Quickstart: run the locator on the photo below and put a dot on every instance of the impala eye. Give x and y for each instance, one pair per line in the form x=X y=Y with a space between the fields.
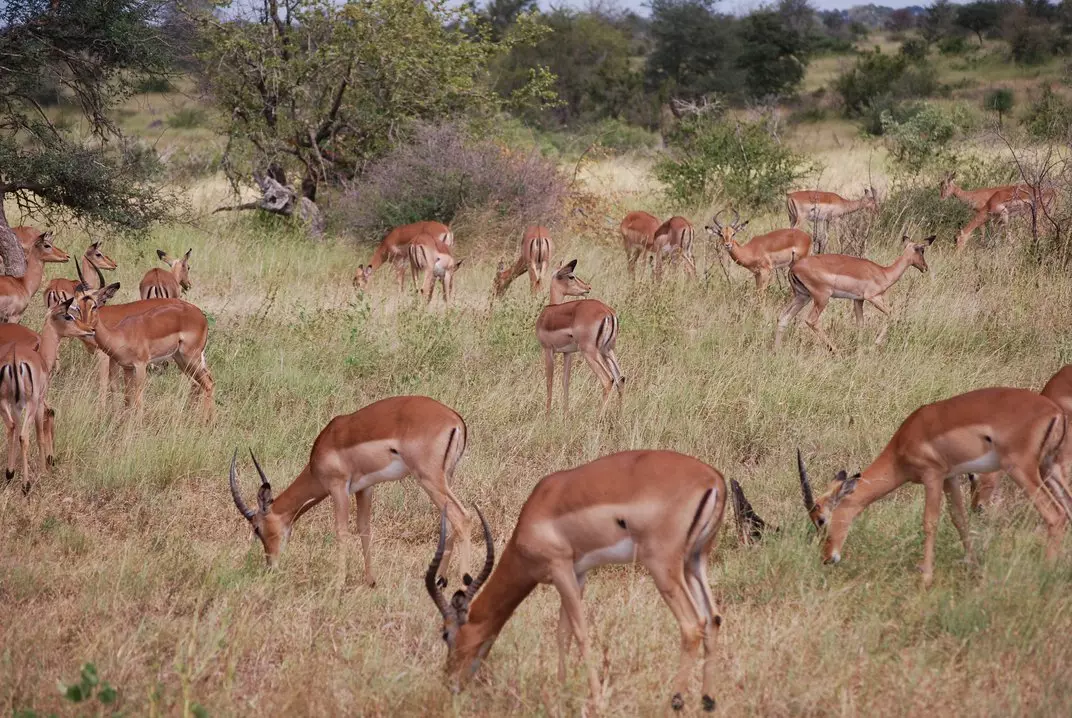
x=445 y=635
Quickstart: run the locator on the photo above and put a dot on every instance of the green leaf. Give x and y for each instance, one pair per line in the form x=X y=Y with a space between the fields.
x=199 y=710
x=74 y=694
x=90 y=676
x=107 y=694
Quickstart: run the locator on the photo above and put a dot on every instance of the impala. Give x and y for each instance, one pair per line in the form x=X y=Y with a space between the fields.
x=984 y=430
x=160 y=284
x=660 y=509
x=638 y=237
x=15 y=292
x=536 y=251
x=385 y=441
x=59 y=290
x=975 y=198
x=395 y=249
x=587 y=326
x=825 y=207
x=433 y=259
x=764 y=253
x=1002 y=204
x=145 y=332
x=673 y=241
x=820 y=278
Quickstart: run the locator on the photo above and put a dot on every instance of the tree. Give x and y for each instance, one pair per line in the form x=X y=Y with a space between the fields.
x=501 y=14
x=901 y=20
x=86 y=56
x=695 y=50
x=773 y=53
x=939 y=21
x=979 y=17
x=1000 y=101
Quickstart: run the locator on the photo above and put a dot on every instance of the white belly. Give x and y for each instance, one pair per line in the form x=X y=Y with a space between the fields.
x=392 y=472
x=987 y=462
x=622 y=552
x=844 y=294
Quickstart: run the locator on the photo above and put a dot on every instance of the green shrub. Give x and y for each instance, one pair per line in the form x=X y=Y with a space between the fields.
x=920 y=141
x=878 y=82
x=737 y=162
x=999 y=100
x=186 y=119
x=915 y=49
x=953 y=45
x=1049 y=117
x=153 y=84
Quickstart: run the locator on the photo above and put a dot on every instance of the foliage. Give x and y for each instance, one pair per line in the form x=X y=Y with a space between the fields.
x=999 y=100
x=694 y=51
x=740 y=163
x=1049 y=116
x=186 y=118
x=915 y=49
x=82 y=692
x=773 y=54
x=921 y=140
x=89 y=55
x=1032 y=40
x=979 y=17
x=939 y=21
x=878 y=82
x=442 y=172
x=324 y=88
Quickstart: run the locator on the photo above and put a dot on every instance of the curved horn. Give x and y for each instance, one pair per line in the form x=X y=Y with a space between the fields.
x=433 y=569
x=100 y=276
x=805 y=485
x=489 y=562
x=82 y=285
x=235 y=494
x=736 y=218
x=718 y=225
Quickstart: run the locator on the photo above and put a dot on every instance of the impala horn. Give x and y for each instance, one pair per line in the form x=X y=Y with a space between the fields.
x=235 y=494
x=433 y=568
x=718 y=225
x=264 y=493
x=100 y=276
x=805 y=485
x=489 y=562
x=736 y=218
x=81 y=286
x=750 y=526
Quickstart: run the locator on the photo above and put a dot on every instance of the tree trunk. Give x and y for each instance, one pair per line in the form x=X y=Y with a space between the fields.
x=10 y=249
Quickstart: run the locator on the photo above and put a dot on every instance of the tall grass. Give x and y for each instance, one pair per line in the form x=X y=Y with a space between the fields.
x=130 y=553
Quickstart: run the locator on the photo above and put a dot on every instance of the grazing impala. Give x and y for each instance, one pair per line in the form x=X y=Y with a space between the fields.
x=395 y=249
x=638 y=237
x=433 y=259
x=385 y=441
x=974 y=198
x=16 y=292
x=825 y=207
x=1002 y=204
x=145 y=332
x=167 y=284
x=983 y=430
x=587 y=326
x=536 y=251
x=659 y=509
x=820 y=278
x=764 y=253
x=673 y=241
x=59 y=290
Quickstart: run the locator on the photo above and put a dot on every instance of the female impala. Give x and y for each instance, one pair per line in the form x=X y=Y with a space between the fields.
x=385 y=441
x=638 y=237
x=764 y=253
x=1002 y=204
x=587 y=326
x=59 y=290
x=395 y=249
x=536 y=251
x=660 y=509
x=15 y=292
x=160 y=284
x=822 y=277
x=984 y=430
x=974 y=198
x=673 y=241
x=433 y=259
x=825 y=207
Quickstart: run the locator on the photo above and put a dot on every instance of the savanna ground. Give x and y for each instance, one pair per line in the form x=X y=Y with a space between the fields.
x=131 y=555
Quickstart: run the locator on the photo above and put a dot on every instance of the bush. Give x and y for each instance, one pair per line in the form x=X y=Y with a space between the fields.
x=737 y=162
x=921 y=140
x=443 y=171
x=153 y=84
x=1049 y=117
x=880 y=81
x=915 y=49
x=953 y=45
x=186 y=119
x=1000 y=101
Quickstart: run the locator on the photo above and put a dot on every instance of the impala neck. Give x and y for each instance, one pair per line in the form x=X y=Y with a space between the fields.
x=35 y=271
x=876 y=481
x=558 y=295
x=894 y=272
x=303 y=494
x=50 y=345
x=509 y=585
x=734 y=249
x=89 y=273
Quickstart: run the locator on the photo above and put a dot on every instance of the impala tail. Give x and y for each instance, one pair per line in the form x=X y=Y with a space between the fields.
x=791 y=207
x=1052 y=466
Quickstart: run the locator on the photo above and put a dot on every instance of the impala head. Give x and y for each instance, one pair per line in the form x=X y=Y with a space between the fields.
x=501 y=280
x=948 y=185
x=726 y=233
x=820 y=510
x=871 y=199
x=916 y=249
x=269 y=527
x=568 y=283
x=362 y=276
x=179 y=267
x=88 y=300
x=67 y=319
x=463 y=658
x=98 y=258
x=48 y=252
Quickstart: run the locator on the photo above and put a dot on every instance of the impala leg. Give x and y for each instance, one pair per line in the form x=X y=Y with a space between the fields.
x=549 y=371
x=50 y=435
x=1028 y=478
x=610 y=360
x=448 y=287
x=340 y=501
x=879 y=303
x=204 y=386
x=965 y=234
x=104 y=371
x=983 y=489
x=792 y=309
x=932 y=510
x=631 y=257
x=400 y=275
x=670 y=579
x=363 y=521
x=434 y=482
x=762 y=280
x=567 y=365
x=24 y=448
x=602 y=374
x=565 y=581
x=429 y=286
x=12 y=442
x=44 y=458
x=658 y=264
x=819 y=304
x=565 y=633
x=534 y=279
x=858 y=311
x=959 y=514
x=696 y=573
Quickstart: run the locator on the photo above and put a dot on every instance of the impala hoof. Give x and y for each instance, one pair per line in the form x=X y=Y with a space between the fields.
x=26 y=488
x=9 y=475
x=708 y=704
x=50 y=460
x=677 y=702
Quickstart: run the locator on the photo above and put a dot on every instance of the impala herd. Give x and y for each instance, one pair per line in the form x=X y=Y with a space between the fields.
x=658 y=509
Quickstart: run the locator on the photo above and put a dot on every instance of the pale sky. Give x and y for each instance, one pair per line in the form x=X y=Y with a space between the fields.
x=739 y=7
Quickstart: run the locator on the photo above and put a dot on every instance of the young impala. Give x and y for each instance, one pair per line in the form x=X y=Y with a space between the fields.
x=974 y=198
x=638 y=237
x=536 y=251
x=825 y=207
x=764 y=253
x=673 y=241
x=433 y=259
x=1002 y=204
x=587 y=326
x=61 y=289
x=16 y=292
x=395 y=249
x=659 y=509
x=167 y=284
x=984 y=430
x=822 y=277
x=385 y=441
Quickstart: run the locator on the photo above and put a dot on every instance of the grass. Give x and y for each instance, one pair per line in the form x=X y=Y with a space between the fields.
x=131 y=555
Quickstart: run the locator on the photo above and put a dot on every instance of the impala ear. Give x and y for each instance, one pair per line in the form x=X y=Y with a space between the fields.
x=743 y=224
x=186 y=257
x=571 y=265
x=501 y=268
x=930 y=240
x=105 y=294
x=458 y=263
x=848 y=485
x=164 y=257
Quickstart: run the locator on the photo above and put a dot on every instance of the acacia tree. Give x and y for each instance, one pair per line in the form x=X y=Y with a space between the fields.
x=84 y=56
x=321 y=88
